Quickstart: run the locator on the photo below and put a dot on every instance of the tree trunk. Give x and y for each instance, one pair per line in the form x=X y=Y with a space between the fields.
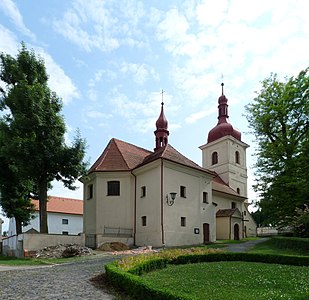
x=18 y=226
x=43 y=206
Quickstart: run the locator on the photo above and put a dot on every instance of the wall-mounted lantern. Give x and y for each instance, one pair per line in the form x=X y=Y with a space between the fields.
x=171 y=199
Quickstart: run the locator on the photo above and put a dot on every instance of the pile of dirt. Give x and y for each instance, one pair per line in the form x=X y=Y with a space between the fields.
x=113 y=246
x=68 y=250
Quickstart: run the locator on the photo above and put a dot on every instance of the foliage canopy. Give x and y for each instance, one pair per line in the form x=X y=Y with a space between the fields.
x=32 y=130
x=279 y=118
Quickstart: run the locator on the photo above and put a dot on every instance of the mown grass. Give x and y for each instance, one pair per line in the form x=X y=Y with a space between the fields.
x=268 y=247
x=233 y=280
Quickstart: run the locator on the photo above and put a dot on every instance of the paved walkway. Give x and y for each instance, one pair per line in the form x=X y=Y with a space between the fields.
x=66 y=281
x=244 y=247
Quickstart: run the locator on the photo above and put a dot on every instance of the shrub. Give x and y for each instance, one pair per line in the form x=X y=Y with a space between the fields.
x=293 y=243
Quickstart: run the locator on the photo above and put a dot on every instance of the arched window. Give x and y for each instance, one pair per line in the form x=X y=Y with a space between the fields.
x=214 y=158
x=237 y=157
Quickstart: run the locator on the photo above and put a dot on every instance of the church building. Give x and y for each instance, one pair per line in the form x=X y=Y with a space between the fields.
x=161 y=198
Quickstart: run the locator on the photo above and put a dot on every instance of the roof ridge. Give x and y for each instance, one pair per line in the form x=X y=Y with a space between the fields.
x=116 y=140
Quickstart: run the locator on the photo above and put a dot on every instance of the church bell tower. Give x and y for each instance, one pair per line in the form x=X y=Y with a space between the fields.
x=224 y=151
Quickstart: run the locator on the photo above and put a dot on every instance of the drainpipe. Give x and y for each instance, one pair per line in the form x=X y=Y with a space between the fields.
x=162 y=202
x=134 y=222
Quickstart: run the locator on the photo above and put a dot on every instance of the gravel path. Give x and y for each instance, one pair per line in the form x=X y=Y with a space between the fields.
x=66 y=281
x=244 y=247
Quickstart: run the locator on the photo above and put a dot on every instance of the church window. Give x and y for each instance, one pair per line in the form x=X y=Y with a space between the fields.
x=237 y=160
x=144 y=220
x=143 y=191
x=233 y=205
x=113 y=188
x=65 y=221
x=238 y=191
x=205 y=197
x=182 y=191
x=245 y=213
x=214 y=158
x=89 y=191
x=183 y=221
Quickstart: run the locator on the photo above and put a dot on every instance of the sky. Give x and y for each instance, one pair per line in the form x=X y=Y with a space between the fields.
x=109 y=61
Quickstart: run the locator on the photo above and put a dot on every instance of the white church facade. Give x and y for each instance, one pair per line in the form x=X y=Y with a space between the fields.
x=161 y=198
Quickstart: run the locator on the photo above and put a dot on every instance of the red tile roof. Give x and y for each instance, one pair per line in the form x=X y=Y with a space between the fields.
x=122 y=156
x=220 y=186
x=171 y=154
x=227 y=212
x=119 y=156
x=62 y=205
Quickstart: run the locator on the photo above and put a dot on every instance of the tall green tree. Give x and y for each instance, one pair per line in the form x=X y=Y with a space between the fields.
x=279 y=118
x=33 y=128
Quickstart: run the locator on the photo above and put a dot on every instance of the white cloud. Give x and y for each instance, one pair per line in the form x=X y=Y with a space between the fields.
x=8 y=41
x=200 y=115
x=58 y=80
x=93 y=24
x=11 y=10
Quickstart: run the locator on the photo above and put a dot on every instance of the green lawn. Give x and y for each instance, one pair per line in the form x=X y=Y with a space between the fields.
x=268 y=247
x=233 y=280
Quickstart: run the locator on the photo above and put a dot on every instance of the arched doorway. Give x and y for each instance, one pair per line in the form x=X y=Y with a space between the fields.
x=205 y=233
x=236 y=232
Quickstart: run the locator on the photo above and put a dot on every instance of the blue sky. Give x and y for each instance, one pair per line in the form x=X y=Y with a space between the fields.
x=109 y=60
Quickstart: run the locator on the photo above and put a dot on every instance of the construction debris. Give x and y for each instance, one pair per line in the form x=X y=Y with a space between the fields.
x=68 y=250
x=113 y=246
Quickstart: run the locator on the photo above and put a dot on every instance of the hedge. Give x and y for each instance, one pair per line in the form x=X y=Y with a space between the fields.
x=293 y=243
x=133 y=284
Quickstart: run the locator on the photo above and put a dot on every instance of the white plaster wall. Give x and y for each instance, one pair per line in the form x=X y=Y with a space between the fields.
x=149 y=206
x=232 y=173
x=190 y=207
x=113 y=211
x=55 y=226
x=90 y=215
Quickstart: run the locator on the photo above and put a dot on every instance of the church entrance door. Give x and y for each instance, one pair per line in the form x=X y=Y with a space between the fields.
x=205 y=233
x=236 y=232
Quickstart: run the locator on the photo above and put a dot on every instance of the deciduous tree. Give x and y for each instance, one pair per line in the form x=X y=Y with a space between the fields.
x=279 y=117
x=33 y=128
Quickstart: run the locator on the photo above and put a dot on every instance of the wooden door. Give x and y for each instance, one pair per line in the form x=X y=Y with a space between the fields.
x=236 y=232
x=205 y=233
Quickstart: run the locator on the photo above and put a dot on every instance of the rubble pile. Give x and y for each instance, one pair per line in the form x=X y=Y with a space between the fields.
x=113 y=246
x=68 y=250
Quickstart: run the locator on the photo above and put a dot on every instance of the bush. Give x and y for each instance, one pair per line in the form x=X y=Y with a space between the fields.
x=124 y=273
x=294 y=243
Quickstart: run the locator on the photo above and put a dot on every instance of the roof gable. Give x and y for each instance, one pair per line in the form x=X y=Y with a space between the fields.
x=220 y=186
x=230 y=212
x=62 y=205
x=171 y=154
x=119 y=156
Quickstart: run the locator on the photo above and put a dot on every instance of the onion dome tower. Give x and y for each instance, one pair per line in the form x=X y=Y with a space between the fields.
x=223 y=127
x=224 y=151
x=161 y=133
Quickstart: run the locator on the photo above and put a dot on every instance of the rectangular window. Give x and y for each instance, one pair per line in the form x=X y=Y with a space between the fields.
x=65 y=221
x=144 y=220
x=205 y=197
x=233 y=205
x=65 y=232
x=183 y=221
x=182 y=191
x=89 y=191
x=113 y=188
x=143 y=191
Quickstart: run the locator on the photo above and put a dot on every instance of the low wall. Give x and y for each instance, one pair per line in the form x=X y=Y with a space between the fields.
x=25 y=243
